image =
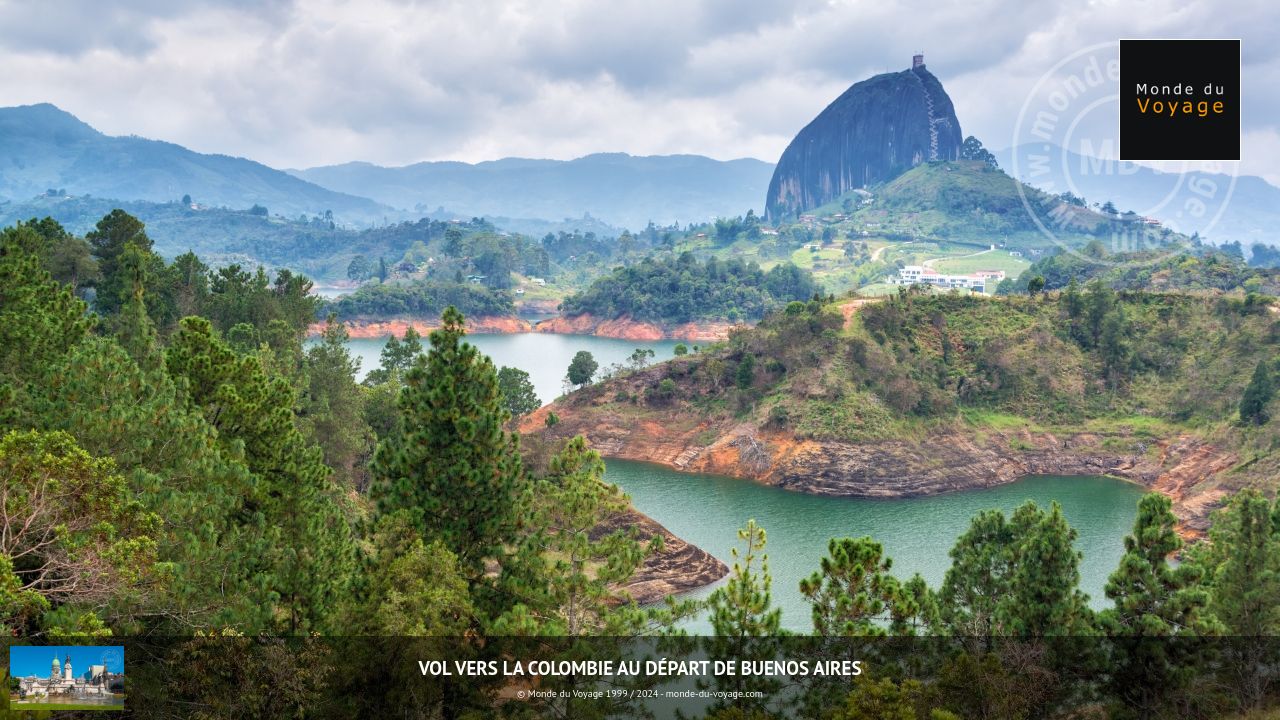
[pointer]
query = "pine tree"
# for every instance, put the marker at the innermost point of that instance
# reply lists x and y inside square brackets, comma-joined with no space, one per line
[332,409]
[583,568]
[212,546]
[408,588]
[1246,576]
[982,564]
[1242,566]
[743,606]
[312,559]
[133,326]
[40,321]
[744,622]
[1257,395]
[1153,602]
[1151,598]
[452,467]
[398,355]
[1043,598]
[109,240]
[73,532]
[854,594]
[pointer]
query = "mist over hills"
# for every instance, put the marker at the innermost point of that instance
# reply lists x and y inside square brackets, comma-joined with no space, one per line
[1252,214]
[43,147]
[620,189]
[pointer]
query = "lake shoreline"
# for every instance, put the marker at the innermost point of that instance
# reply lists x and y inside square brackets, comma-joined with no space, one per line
[943,461]
[585,325]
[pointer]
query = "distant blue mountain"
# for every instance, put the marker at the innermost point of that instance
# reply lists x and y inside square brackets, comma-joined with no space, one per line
[1252,214]
[616,188]
[43,147]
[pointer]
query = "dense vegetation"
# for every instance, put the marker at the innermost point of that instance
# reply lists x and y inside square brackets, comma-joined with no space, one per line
[1197,267]
[681,289]
[916,359]
[422,298]
[222,475]
[176,462]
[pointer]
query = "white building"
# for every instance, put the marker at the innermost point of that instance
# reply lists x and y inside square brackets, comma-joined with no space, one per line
[62,681]
[981,281]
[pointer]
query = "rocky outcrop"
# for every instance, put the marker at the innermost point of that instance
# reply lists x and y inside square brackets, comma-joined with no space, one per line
[627,329]
[878,129]
[1185,468]
[680,566]
[495,325]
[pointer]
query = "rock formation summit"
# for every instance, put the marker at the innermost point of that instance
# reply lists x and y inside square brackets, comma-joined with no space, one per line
[875,131]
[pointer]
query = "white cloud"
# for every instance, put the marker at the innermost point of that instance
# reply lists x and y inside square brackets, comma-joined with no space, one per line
[312,82]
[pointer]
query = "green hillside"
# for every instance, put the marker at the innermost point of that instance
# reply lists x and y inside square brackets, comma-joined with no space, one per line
[974,203]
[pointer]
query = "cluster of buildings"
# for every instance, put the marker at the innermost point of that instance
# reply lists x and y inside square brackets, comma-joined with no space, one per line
[982,281]
[95,683]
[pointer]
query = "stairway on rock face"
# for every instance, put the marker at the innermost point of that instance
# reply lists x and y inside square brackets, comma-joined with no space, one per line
[933,121]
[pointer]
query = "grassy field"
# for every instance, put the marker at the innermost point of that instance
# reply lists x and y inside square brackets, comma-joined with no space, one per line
[990,260]
[50,707]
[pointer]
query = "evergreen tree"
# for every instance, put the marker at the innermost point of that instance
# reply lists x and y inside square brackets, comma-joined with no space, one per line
[211,545]
[982,564]
[73,534]
[1153,599]
[1244,559]
[744,622]
[1242,566]
[109,240]
[743,606]
[1099,301]
[1043,598]
[311,561]
[332,409]
[745,374]
[408,588]
[518,395]
[1153,602]
[854,594]
[583,568]
[1257,395]
[398,355]
[452,467]
[133,326]
[40,320]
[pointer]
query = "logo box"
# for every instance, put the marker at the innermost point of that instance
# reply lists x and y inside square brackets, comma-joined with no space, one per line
[1180,99]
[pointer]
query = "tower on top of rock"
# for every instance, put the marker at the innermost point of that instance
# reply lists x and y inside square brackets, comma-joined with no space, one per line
[917,61]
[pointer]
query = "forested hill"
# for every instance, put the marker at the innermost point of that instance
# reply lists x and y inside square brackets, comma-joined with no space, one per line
[422,299]
[924,393]
[1197,268]
[683,289]
[623,190]
[312,244]
[46,147]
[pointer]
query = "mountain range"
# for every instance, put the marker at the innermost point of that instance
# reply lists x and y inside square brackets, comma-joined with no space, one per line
[620,189]
[44,148]
[1251,215]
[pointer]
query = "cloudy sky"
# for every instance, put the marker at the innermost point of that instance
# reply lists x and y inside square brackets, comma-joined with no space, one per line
[298,83]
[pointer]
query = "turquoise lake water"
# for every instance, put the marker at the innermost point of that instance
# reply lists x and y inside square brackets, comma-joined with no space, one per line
[708,510]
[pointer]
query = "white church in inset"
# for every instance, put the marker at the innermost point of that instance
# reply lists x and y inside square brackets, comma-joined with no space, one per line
[62,681]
